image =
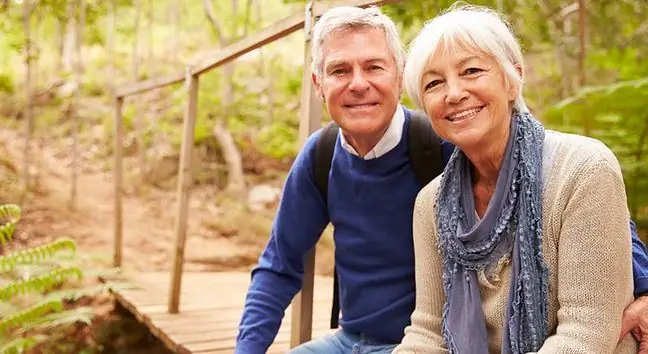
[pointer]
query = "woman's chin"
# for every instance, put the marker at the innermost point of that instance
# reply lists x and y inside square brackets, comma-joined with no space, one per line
[468,140]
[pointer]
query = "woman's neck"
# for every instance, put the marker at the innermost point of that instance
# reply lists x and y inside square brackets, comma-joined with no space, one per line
[485,167]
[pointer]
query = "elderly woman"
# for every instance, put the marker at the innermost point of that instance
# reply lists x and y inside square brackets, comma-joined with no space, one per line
[522,245]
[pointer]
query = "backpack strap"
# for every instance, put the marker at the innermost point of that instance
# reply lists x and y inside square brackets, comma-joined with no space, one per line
[323,156]
[321,168]
[424,148]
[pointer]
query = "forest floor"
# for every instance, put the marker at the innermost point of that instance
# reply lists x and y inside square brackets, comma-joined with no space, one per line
[222,234]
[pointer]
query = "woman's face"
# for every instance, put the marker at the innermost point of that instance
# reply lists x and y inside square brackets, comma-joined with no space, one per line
[465,94]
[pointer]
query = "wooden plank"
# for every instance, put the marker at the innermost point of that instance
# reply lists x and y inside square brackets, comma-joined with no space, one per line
[118,224]
[276,31]
[310,120]
[143,86]
[184,182]
[209,325]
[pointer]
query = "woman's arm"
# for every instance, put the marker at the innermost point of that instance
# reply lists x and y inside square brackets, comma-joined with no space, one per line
[594,260]
[424,334]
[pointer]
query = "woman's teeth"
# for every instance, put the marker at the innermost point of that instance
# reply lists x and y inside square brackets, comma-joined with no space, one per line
[464,115]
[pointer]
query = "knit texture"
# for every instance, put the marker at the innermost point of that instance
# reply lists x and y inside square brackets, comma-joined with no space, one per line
[585,231]
[511,225]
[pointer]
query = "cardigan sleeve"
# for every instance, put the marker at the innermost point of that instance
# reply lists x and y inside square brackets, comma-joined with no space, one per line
[424,333]
[594,260]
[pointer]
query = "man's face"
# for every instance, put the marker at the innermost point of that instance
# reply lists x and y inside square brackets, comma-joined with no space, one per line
[360,82]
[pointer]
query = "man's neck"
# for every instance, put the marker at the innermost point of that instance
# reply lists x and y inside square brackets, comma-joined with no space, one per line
[364,144]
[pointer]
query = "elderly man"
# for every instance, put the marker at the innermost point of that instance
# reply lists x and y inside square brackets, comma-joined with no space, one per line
[372,186]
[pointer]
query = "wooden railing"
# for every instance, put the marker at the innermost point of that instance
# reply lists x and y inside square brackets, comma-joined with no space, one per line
[310,121]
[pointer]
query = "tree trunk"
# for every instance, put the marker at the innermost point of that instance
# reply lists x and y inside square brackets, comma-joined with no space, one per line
[60,23]
[232,156]
[69,44]
[268,90]
[175,22]
[29,119]
[233,160]
[74,112]
[138,120]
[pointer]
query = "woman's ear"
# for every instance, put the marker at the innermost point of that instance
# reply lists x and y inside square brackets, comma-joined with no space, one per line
[515,88]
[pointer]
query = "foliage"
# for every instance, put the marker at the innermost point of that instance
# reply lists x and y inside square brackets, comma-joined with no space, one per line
[618,117]
[30,312]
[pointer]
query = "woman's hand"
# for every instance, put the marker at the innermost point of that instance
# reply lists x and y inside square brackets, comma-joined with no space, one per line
[635,320]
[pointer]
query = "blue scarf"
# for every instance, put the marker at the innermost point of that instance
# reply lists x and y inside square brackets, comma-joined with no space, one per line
[511,227]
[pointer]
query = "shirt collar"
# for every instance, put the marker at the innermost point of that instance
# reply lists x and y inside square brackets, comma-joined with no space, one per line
[389,140]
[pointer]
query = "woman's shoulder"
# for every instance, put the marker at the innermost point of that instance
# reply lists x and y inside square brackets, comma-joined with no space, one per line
[565,152]
[427,196]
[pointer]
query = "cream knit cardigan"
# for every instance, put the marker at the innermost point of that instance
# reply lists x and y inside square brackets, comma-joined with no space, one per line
[586,244]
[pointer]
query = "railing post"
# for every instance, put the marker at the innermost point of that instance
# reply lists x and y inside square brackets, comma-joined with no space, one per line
[310,121]
[118,175]
[184,184]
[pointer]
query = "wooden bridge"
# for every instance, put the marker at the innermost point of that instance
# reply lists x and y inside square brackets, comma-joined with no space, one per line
[210,310]
[204,316]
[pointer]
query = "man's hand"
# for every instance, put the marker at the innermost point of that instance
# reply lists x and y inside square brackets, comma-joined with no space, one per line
[635,320]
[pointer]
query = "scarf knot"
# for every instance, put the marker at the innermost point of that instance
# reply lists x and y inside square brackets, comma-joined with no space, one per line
[511,227]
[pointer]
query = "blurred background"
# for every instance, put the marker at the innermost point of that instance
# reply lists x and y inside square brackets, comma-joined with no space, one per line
[60,60]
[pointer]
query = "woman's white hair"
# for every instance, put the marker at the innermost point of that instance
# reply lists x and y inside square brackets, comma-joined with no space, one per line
[351,17]
[465,26]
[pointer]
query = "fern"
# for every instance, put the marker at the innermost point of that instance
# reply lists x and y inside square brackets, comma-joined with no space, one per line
[56,319]
[39,270]
[10,213]
[30,314]
[21,345]
[36,255]
[78,293]
[39,283]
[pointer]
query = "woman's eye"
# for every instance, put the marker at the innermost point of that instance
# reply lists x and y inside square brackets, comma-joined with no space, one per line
[472,71]
[432,84]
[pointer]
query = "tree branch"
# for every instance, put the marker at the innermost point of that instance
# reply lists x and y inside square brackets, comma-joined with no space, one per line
[210,13]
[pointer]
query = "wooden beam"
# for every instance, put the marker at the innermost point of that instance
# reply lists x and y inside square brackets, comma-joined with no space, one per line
[184,183]
[118,171]
[222,56]
[143,86]
[247,44]
[270,34]
[310,120]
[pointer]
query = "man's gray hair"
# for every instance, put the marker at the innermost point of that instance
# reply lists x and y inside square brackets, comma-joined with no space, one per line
[351,17]
[465,26]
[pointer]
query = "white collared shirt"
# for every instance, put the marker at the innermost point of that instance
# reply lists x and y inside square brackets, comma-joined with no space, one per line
[389,140]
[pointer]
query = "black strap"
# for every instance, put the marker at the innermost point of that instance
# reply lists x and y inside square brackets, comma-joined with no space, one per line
[424,148]
[425,154]
[321,169]
[323,156]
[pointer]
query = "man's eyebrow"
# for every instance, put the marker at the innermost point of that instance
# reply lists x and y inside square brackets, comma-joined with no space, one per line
[376,59]
[334,63]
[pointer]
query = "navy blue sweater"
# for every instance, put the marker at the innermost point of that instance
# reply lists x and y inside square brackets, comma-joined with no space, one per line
[370,205]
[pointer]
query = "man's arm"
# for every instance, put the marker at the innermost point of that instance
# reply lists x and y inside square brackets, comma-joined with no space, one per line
[301,217]
[639,263]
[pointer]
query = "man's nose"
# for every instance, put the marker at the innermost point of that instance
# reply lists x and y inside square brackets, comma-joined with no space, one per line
[359,82]
[455,91]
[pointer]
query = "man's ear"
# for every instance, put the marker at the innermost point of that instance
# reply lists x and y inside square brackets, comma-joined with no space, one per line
[317,86]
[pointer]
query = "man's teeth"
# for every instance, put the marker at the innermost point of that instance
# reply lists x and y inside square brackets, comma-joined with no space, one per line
[366,105]
[464,115]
